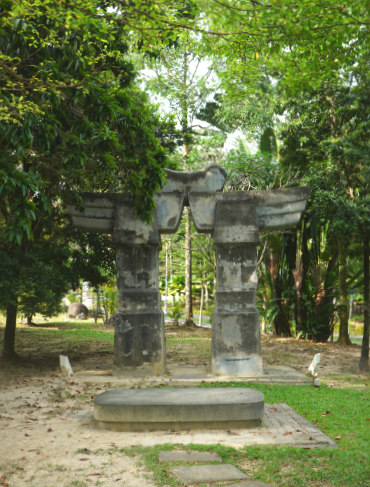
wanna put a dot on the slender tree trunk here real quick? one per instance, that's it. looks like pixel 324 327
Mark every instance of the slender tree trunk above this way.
pixel 165 310
pixel 201 304
pixel 9 334
pixel 298 279
pixel 97 305
pixel 188 274
pixel 343 297
pixel 300 273
pixel 281 320
pixel 364 360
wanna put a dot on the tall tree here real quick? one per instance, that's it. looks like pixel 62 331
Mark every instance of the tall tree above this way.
pixel 183 78
pixel 71 119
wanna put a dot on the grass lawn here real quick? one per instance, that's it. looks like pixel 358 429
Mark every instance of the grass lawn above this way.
pixel 343 413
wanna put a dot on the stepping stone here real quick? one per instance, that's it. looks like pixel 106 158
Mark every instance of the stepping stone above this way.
pixel 251 483
pixel 179 409
pixel 197 474
pixel 184 456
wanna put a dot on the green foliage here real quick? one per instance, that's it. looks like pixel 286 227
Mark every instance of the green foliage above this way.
pixel 268 142
pixel 175 312
pixel 109 299
pixel 72 119
pixel 35 276
pixel 255 171
pixel 91 128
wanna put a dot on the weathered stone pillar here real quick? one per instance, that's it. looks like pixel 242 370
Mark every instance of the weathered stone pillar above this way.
pixel 236 342
pixel 139 344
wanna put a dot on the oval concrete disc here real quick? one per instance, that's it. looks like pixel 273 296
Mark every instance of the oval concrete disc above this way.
pixel 193 404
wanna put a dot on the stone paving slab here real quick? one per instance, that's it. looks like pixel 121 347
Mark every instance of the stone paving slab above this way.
pixel 281 425
pixel 251 483
pixel 184 456
pixel 286 427
pixel 197 474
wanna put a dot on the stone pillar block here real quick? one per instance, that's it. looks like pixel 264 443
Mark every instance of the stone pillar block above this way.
pixel 139 343
pixel 236 340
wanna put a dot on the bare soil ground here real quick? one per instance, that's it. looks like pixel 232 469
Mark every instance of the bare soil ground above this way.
pixel 47 436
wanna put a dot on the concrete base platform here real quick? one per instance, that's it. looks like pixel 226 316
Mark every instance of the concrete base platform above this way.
pixel 178 409
pixel 191 375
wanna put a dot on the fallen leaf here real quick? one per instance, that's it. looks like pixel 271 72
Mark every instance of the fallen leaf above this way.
pixel 92 474
pixel 338 437
pixel 4 484
pixel 232 433
pixel 287 433
pixel 84 459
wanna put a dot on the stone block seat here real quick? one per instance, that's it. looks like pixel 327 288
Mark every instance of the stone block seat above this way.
pixel 178 409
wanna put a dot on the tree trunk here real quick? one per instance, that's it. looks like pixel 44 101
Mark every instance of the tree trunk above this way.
pixel 165 310
pixel 343 297
pixel 300 274
pixel 281 320
pixel 188 274
pixel 364 360
pixel 201 303
pixel 97 305
pixel 9 334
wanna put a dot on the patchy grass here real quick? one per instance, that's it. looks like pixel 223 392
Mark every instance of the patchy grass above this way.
pixel 341 410
pixel 194 351
pixel 343 414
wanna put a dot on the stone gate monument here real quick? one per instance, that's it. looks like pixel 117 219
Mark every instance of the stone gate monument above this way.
pixel 234 219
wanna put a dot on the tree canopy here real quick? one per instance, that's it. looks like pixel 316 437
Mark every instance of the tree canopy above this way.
pixel 292 74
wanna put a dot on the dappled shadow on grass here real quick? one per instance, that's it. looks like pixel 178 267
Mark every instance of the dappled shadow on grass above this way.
pixel 46 363
pixel 38 347
pixel 67 325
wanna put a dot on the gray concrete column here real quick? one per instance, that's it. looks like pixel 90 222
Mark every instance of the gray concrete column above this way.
pixel 236 340
pixel 139 343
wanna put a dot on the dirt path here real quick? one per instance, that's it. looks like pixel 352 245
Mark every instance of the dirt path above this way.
pixel 48 437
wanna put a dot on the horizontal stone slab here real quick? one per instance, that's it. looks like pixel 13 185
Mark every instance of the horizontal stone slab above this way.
pixel 251 483
pixel 199 474
pixel 168 210
pixel 96 213
pixel 239 366
pixel 138 300
pixel 195 407
pixel 211 178
pixel 188 456
pixel 275 208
